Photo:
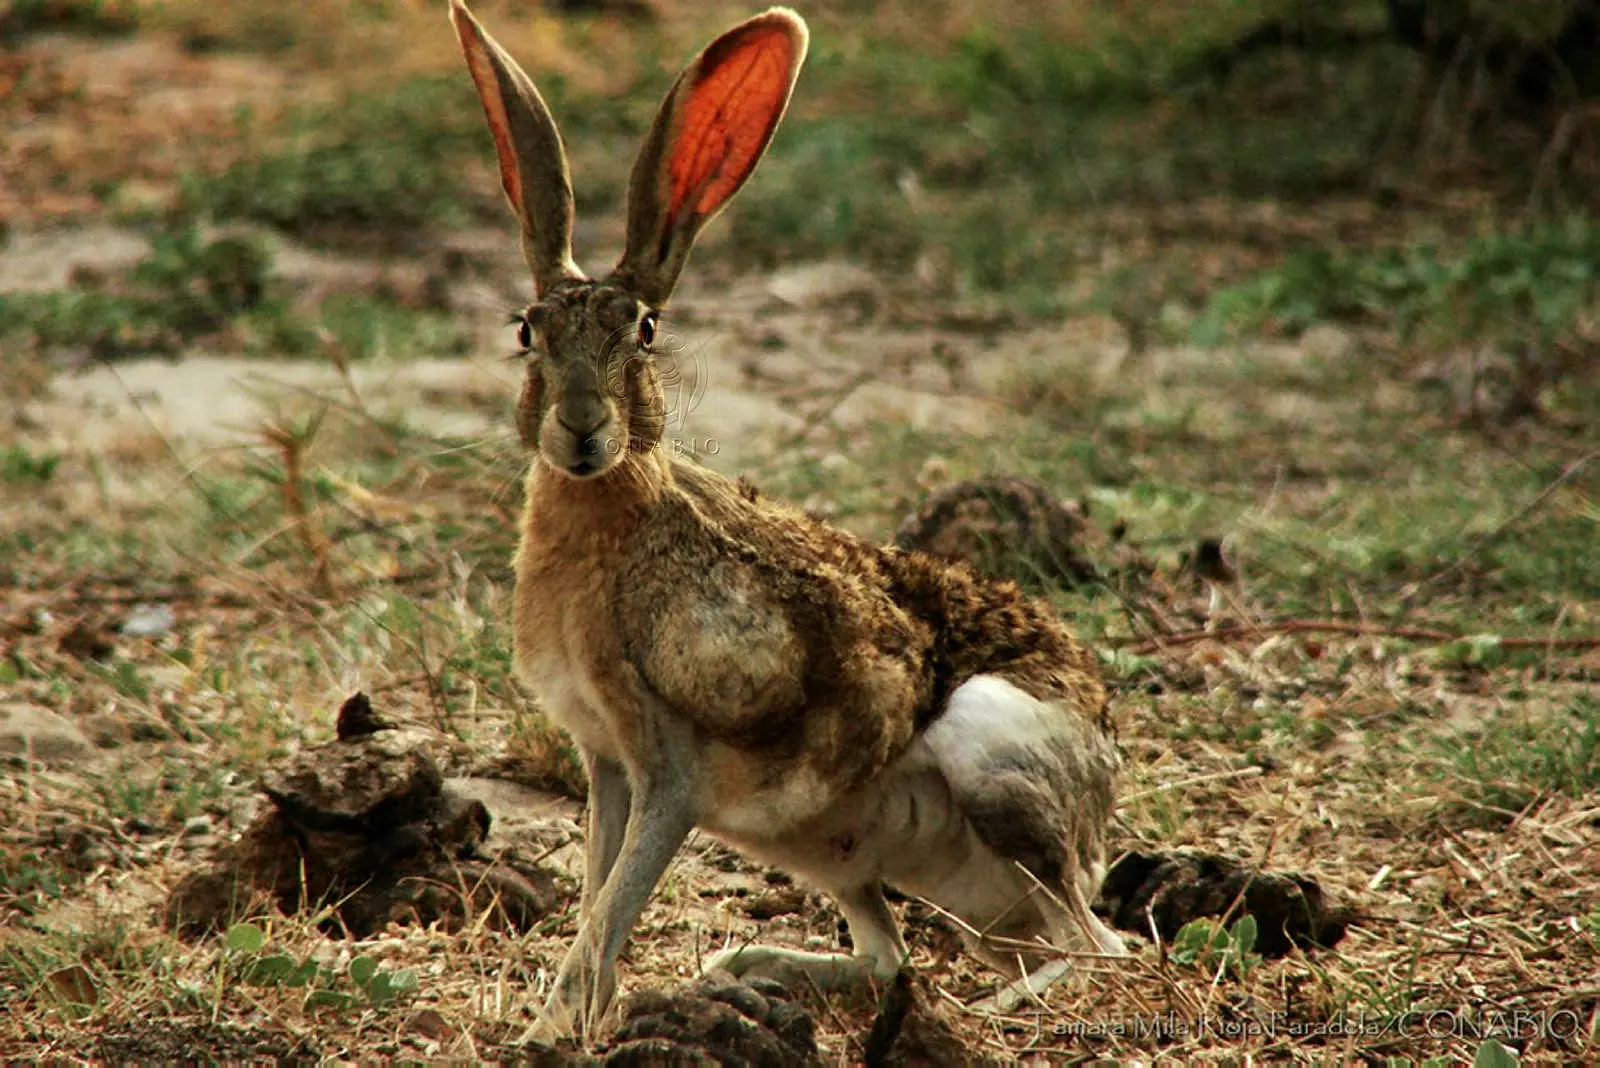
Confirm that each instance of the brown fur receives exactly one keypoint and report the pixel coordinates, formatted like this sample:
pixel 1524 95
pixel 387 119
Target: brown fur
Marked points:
pixel 822 648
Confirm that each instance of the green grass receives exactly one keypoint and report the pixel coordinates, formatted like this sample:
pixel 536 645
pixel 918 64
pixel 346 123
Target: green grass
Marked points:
pixel 192 289
pixel 1400 513
pixel 1517 758
pixel 998 159
pixel 187 287
pixel 1526 285
pixel 372 167
pixel 1014 143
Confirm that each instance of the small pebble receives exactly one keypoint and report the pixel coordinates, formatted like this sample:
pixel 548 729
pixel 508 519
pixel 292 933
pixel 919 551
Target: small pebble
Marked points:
pixel 149 621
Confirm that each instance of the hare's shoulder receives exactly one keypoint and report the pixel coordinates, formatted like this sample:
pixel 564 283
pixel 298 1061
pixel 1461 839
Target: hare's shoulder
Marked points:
pixel 760 631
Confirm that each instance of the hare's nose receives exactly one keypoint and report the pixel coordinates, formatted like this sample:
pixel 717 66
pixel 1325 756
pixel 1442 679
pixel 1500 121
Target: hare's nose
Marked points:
pixel 584 431
pixel 588 444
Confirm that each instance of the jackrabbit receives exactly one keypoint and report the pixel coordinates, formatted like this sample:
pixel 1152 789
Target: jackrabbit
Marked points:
pixel 853 714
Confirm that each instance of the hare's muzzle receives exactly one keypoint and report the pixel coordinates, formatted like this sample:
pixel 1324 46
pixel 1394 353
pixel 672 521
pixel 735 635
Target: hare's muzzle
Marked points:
pixel 583 444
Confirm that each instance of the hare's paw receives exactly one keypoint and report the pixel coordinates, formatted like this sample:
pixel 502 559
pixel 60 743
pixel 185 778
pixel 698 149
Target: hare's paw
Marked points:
pixel 1019 992
pixel 792 967
pixel 580 995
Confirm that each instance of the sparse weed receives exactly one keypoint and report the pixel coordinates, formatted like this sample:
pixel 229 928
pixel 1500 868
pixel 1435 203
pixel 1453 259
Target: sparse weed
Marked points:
pixel 20 466
pixel 1207 945
pixel 374 986
pixel 29 881
pixel 22 17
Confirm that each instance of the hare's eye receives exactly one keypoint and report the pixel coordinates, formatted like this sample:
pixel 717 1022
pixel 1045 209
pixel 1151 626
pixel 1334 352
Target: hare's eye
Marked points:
pixel 524 334
pixel 647 331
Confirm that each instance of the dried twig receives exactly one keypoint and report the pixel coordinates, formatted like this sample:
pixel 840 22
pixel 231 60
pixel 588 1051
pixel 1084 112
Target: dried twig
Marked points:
pixel 291 443
pixel 830 404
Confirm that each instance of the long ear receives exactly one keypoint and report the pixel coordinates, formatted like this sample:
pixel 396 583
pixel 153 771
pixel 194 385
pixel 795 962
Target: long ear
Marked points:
pixel 533 165
pixel 710 133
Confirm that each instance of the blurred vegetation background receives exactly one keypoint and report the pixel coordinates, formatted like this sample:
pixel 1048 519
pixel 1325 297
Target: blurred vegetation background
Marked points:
pixel 1424 168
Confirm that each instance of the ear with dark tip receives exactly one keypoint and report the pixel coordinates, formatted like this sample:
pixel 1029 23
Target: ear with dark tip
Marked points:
pixel 711 131
pixel 533 165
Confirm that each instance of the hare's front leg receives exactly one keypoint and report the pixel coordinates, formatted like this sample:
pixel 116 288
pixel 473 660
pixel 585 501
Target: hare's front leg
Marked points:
pixel 660 815
pixel 609 798
pixel 879 949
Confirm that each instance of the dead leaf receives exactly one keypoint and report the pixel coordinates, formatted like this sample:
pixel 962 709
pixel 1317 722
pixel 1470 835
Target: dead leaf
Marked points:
pixel 429 1024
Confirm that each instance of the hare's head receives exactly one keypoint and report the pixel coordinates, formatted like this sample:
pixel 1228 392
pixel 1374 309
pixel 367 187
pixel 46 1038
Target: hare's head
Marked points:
pixel 592 393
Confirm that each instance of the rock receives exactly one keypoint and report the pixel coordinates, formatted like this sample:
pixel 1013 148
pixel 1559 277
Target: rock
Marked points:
pixel 827 284
pixel 38 733
pixel 1324 341
pixel 357 718
pixel 149 621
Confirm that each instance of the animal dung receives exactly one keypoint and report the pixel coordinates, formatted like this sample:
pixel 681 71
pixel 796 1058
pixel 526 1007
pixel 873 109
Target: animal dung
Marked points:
pixel 1005 527
pixel 1176 887
pixel 368 824
pixel 715 1021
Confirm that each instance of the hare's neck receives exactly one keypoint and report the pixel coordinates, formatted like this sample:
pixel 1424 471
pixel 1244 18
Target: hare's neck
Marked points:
pixel 562 511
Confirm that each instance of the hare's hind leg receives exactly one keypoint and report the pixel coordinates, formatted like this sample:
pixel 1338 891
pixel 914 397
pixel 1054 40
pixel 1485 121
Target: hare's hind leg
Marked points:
pixel 1035 783
pixel 1074 931
pixel 879 948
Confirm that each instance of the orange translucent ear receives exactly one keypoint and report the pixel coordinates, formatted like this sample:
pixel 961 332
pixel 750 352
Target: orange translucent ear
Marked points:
pixel 730 115
pixel 710 133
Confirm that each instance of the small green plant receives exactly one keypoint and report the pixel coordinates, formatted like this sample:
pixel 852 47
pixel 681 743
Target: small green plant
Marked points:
pixel 374 986
pixel 1206 944
pixel 18 465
